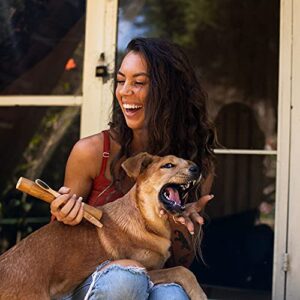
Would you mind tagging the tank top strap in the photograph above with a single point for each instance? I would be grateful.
(106, 151)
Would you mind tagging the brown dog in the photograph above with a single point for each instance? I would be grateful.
(133, 229)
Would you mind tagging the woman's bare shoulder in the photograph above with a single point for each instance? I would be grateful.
(87, 153)
(90, 145)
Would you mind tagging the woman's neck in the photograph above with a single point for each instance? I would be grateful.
(140, 141)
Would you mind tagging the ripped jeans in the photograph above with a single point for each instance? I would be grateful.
(118, 282)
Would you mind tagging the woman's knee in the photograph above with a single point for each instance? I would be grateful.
(122, 280)
(124, 263)
(170, 291)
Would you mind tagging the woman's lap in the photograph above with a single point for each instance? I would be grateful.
(124, 282)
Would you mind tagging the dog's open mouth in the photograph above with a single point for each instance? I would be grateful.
(173, 196)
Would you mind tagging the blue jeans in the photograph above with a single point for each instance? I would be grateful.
(124, 283)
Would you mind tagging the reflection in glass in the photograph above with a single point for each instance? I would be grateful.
(41, 47)
(239, 234)
(232, 44)
(234, 47)
(35, 143)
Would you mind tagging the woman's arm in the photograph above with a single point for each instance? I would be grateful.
(82, 167)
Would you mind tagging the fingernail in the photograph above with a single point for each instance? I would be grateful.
(211, 196)
(192, 232)
(74, 196)
(80, 199)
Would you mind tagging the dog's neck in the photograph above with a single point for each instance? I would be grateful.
(150, 210)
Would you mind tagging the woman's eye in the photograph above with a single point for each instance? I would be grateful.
(139, 83)
(168, 166)
(120, 81)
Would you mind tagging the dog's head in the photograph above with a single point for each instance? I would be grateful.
(167, 178)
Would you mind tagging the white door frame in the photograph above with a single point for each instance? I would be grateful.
(293, 275)
(286, 271)
(101, 35)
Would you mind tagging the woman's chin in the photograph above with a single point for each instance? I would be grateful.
(135, 123)
(135, 126)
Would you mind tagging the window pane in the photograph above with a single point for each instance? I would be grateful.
(234, 48)
(238, 236)
(41, 47)
(35, 143)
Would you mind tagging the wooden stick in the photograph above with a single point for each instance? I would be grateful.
(25, 185)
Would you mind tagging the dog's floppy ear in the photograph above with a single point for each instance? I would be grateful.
(135, 165)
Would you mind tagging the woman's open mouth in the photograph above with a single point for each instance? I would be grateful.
(131, 109)
(174, 196)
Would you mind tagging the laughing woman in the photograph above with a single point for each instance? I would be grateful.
(161, 109)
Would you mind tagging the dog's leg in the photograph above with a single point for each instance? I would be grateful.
(183, 277)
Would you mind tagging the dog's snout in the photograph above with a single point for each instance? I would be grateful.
(195, 170)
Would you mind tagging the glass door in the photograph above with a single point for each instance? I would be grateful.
(234, 46)
(50, 95)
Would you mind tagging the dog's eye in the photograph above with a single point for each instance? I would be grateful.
(168, 166)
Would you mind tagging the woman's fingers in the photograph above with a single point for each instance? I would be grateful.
(191, 215)
(196, 218)
(189, 225)
(79, 216)
(71, 208)
(67, 209)
(57, 203)
(201, 203)
(64, 190)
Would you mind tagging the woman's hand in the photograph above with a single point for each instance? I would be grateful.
(67, 208)
(191, 214)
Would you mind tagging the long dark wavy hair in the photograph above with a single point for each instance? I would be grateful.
(175, 109)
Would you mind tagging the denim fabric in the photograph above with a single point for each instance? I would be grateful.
(124, 283)
(170, 291)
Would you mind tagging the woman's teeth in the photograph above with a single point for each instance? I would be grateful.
(132, 106)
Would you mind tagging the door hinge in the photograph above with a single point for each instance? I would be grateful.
(285, 262)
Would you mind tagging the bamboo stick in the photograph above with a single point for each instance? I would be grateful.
(25, 185)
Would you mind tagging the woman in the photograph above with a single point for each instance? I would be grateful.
(160, 109)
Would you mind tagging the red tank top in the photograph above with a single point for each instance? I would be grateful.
(102, 190)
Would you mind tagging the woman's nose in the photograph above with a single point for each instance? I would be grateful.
(126, 89)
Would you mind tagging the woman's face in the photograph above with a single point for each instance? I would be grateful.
(132, 89)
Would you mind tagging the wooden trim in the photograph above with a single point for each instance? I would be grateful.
(283, 157)
(34, 100)
(245, 151)
(101, 29)
(293, 242)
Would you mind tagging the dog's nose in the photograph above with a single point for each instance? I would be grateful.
(194, 169)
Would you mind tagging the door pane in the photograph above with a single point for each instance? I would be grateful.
(41, 47)
(239, 233)
(234, 47)
(35, 143)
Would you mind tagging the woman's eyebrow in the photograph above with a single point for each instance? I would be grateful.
(135, 75)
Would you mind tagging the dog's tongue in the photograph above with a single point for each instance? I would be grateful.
(173, 195)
